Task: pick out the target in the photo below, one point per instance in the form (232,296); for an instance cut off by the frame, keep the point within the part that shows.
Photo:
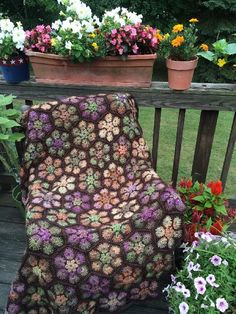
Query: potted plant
(13,62)
(180,50)
(207,281)
(8,154)
(79,49)
(207,208)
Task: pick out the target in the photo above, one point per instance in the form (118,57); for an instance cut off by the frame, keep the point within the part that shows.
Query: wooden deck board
(12,246)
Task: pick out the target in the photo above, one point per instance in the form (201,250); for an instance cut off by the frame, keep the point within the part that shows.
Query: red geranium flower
(186,183)
(216,228)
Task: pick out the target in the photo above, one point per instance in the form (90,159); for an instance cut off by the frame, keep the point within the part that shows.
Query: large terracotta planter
(180,73)
(110,71)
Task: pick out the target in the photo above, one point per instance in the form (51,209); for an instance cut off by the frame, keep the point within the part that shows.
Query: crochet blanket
(101,225)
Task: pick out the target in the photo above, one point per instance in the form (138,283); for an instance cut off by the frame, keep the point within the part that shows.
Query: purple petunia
(183,308)
(222,304)
(200,285)
(211,280)
(216,260)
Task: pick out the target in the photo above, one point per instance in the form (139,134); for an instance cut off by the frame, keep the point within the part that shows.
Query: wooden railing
(208,98)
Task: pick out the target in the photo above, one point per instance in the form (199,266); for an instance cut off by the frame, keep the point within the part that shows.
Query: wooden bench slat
(206,131)
(229,152)
(178,145)
(156,135)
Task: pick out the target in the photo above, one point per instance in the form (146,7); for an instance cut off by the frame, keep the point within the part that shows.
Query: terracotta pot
(110,71)
(180,73)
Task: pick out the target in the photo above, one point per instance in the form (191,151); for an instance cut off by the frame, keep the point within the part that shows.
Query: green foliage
(8,120)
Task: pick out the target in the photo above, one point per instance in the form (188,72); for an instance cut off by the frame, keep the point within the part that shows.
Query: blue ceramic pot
(15,69)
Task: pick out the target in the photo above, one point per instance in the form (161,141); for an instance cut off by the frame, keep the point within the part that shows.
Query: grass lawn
(167,144)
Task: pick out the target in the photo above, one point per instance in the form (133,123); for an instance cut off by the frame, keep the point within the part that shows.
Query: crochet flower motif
(121,149)
(99,154)
(140,149)
(65,116)
(32,154)
(64,184)
(75,161)
(35,296)
(47,199)
(168,232)
(109,127)
(95,286)
(148,217)
(86,307)
(125,210)
(44,237)
(58,143)
(131,127)
(89,180)
(38,125)
(138,248)
(94,218)
(82,237)
(61,217)
(146,289)
(77,202)
(127,276)
(116,232)
(62,297)
(172,200)
(71,266)
(113,176)
(106,199)
(50,169)
(135,168)
(92,108)
(160,262)
(105,258)
(113,301)
(131,189)
(84,134)
(37,269)
(150,192)
(120,102)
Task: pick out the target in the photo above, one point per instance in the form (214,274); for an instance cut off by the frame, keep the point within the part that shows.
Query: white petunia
(6,26)
(68,45)
(18,37)
(56,25)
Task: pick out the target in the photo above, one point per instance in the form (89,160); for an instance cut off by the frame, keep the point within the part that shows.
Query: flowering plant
(207,281)
(12,37)
(180,43)
(222,53)
(39,38)
(206,208)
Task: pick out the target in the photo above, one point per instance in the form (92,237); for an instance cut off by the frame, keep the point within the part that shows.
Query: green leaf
(4,137)
(220,209)
(16,137)
(199,198)
(6,123)
(231,49)
(208,204)
(220,46)
(11,113)
(209,223)
(207,55)
(6,100)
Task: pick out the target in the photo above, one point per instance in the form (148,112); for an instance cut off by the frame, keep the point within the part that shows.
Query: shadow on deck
(12,245)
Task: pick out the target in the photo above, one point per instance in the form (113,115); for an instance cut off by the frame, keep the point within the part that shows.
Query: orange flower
(216,187)
(193,20)
(204,47)
(158,35)
(177,41)
(177,28)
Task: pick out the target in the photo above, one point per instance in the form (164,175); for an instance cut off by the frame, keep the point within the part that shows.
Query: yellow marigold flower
(178,28)
(193,20)
(221,62)
(95,46)
(159,36)
(204,47)
(92,35)
(53,41)
(177,41)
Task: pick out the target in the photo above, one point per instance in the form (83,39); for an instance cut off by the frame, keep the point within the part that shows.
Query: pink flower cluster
(39,38)
(132,40)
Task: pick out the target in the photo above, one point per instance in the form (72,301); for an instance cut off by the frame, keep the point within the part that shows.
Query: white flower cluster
(122,16)
(79,19)
(16,33)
